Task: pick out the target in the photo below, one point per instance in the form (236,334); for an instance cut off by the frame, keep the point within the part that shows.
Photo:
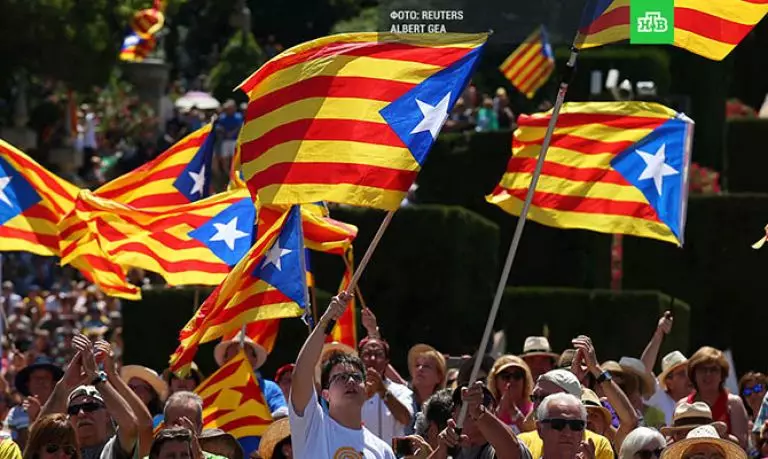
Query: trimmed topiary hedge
(619,323)
(745,154)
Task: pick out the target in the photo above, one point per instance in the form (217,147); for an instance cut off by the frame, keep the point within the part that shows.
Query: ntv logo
(652,22)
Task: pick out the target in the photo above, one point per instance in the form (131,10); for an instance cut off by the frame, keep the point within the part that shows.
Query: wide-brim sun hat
(21,381)
(670,363)
(221,349)
(214,434)
(703,435)
(147,375)
(637,367)
(592,402)
(275,433)
(688,416)
(538,346)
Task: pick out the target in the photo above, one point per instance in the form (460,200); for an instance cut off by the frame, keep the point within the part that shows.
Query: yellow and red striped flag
(32,201)
(322,234)
(234,402)
(350,118)
(345,331)
(263,332)
(136,49)
(193,244)
(710,28)
(531,64)
(268,283)
(613,167)
(180,175)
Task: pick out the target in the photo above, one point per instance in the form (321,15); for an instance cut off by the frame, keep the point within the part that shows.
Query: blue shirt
(272,394)
(230,124)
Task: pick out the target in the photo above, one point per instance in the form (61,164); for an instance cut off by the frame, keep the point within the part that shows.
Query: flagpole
(364,262)
(357,287)
(571,66)
(196,300)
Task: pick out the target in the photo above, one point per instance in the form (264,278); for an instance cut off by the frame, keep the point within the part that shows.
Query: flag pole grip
(519,229)
(364,262)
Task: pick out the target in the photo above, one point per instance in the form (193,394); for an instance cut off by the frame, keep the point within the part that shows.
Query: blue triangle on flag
(16,193)
(229,234)
(194,181)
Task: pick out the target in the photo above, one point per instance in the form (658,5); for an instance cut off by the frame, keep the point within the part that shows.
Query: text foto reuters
(427,15)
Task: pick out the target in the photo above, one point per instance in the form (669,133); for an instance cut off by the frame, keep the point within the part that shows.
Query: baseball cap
(85,391)
(563,379)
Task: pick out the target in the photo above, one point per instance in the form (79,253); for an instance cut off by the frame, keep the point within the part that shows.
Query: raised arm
(371,326)
(304,372)
(651,352)
(493,429)
(74,376)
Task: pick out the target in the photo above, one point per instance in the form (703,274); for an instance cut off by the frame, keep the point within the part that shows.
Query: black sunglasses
(649,453)
(53,448)
(576,425)
(88,407)
(344,377)
(517,375)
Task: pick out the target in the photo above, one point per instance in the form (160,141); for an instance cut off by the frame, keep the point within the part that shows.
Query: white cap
(565,380)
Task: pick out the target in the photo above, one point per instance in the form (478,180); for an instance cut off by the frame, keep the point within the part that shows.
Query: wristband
(604,376)
(101,377)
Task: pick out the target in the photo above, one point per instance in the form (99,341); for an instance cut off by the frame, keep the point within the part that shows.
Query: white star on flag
(228,233)
(434,116)
(199,181)
(275,254)
(655,167)
(4,181)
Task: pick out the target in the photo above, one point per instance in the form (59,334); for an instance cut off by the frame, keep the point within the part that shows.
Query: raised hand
(369,321)
(665,323)
(450,438)
(104,355)
(74,375)
(586,450)
(336,308)
(185,422)
(473,397)
(32,406)
(374,384)
(87,360)
(584,346)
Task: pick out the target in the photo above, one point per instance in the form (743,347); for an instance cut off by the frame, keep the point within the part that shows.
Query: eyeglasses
(373,354)
(53,448)
(756,389)
(649,453)
(344,377)
(88,407)
(576,425)
(517,375)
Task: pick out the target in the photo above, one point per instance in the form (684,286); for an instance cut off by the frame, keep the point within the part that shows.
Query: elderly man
(185,409)
(561,423)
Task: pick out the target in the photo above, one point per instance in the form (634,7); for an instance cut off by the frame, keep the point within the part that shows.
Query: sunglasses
(88,407)
(576,425)
(344,377)
(517,375)
(52,448)
(756,389)
(649,453)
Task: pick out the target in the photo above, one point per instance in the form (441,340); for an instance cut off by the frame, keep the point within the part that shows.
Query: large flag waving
(321,233)
(234,402)
(350,118)
(180,175)
(530,64)
(613,167)
(268,283)
(32,201)
(709,28)
(193,244)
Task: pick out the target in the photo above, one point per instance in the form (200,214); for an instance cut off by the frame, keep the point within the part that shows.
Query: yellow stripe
(346,66)
(703,46)
(638,109)
(539,76)
(732,10)
(611,224)
(596,132)
(138,260)
(8,244)
(568,157)
(264,312)
(565,187)
(199,254)
(607,36)
(532,38)
(535,49)
(36,225)
(335,151)
(314,108)
(354,195)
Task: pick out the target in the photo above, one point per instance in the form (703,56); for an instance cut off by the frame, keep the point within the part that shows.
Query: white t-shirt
(661,400)
(317,435)
(377,417)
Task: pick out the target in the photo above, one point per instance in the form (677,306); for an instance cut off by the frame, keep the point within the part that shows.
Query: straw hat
(275,433)
(328,349)
(208,436)
(221,349)
(691,415)
(590,400)
(147,375)
(637,368)
(538,346)
(419,349)
(703,435)
(670,363)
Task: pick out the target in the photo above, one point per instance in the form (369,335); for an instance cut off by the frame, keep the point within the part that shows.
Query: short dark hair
(169,434)
(339,358)
(438,409)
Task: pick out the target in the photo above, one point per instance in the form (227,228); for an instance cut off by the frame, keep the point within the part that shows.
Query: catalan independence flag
(322,234)
(710,28)
(268,283)
(234,402)
(180,175)
(84,253)
(263,332)
(192,244)
(32,201)
(136,49)
(350,118)
(530,65)
(345,330)
(613,167)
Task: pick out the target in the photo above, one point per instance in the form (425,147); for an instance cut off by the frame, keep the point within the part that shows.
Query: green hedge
(619,323)
(717,272)
(744,154)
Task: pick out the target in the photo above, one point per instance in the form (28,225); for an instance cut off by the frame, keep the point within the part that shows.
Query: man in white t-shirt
(339,432)
(389,408)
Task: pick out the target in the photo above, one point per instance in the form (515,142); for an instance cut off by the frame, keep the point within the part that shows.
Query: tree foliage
(240,58)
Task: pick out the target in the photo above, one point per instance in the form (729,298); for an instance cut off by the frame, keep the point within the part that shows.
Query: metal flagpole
(571,66)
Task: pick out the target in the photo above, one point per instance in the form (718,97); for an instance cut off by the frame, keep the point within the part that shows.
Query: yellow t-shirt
(535,444)
(9,449)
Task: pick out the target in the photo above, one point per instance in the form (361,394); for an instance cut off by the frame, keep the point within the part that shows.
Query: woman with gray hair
(643,443)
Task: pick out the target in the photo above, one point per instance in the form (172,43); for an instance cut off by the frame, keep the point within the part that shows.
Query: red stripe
(521,50)
(42,212)
(580,119)
(710,26)
(174,267)
(321,129)
(251,421)
(524,68)
(229,369)
(71,229)
(141,181)
(442,57)
(254,302)
(616,17)
(576,174)
(559,202)
(51,242)
(578,144)
(51,180)
(176,198)
(333,173)
(526,80)
(328,86)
